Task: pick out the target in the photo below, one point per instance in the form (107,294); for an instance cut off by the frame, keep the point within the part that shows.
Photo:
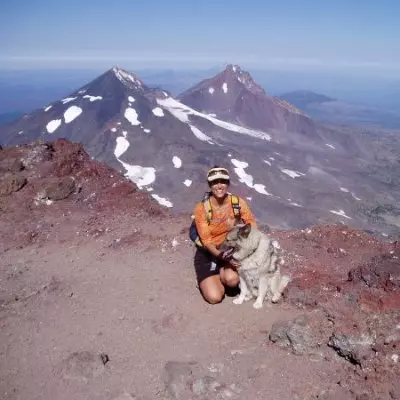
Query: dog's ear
(245,230)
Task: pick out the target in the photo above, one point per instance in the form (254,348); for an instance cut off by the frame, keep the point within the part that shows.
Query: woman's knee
(214,297)
(230,277)
(212,290)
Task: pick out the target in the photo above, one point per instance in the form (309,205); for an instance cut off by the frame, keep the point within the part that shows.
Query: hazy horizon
(310,36)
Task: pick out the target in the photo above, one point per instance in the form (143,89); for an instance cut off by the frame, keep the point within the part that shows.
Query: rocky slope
(98,299)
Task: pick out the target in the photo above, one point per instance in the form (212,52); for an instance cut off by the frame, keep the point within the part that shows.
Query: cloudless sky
(353,35)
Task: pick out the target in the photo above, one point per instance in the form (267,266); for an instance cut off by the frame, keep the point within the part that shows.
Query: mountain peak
(235,72)
(127,78)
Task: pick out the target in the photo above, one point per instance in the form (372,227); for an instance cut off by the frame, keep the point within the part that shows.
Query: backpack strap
(207,206)
(234,203)
(235,207)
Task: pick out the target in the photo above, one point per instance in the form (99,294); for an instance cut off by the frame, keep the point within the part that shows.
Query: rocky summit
(234,95)
(98,299)
(293,171)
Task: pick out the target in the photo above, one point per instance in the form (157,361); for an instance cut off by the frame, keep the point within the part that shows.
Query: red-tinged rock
(11,183)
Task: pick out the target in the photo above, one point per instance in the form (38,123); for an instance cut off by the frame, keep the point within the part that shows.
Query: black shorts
(206,264)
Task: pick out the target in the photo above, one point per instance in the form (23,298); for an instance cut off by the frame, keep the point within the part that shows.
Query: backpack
(193,234)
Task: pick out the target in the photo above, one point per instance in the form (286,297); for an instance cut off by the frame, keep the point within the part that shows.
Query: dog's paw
(276,297)
(238,300)
(257,305)
(248,297)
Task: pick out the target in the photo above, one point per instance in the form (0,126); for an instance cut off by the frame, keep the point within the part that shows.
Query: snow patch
(331,146)
(177,162)
(47,108)
(131,116)
(122,145)
(292,174)
(249,198)
(113,129)
(211,90)
(200,135)
(53,125)
(126,77)
(229,155)
(68,99)
(182,112)
(131,99)
(146,130)
(355,197)
(225,87)
(344,190)
(247,178)
(142,176)
(72,113)
(82,91)
(340,212)
(162,200)
(292,203)
(92,98)
(20,132)
(187,182)
(267,162)
(158,112)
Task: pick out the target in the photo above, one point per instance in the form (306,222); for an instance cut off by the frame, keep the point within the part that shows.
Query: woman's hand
(234,263)
(227,254)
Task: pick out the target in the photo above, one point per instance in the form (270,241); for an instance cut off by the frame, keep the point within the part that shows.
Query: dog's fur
(259,269)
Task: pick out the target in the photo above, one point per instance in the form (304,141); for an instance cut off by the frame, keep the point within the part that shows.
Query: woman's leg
(208,277)
(229,276)
(212,289)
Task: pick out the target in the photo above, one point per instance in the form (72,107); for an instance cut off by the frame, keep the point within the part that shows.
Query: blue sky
(354,35)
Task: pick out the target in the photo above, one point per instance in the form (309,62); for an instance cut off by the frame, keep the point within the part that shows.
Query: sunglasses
(222,181)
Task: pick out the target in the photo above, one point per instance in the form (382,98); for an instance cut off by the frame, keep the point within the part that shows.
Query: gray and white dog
(259,269)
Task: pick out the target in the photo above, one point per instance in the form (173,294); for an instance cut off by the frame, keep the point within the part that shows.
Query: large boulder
(58,189)
(11,183)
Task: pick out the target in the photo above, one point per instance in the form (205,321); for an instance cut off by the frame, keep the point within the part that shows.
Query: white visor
(217,173)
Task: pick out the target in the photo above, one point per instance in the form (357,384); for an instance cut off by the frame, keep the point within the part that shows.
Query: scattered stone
(337,393)
(59,189)
(11,183)
(352,349)
(298,334)
(11,165)
(104,357)
(179,378)
(82,366)
(188,380)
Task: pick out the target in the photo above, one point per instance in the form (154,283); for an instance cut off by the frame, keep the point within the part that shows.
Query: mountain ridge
(295,174)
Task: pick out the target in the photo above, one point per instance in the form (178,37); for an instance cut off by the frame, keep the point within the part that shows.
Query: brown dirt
(98,300)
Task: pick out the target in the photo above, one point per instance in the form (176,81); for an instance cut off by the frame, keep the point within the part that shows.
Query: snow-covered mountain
(234,95)
(291,170)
